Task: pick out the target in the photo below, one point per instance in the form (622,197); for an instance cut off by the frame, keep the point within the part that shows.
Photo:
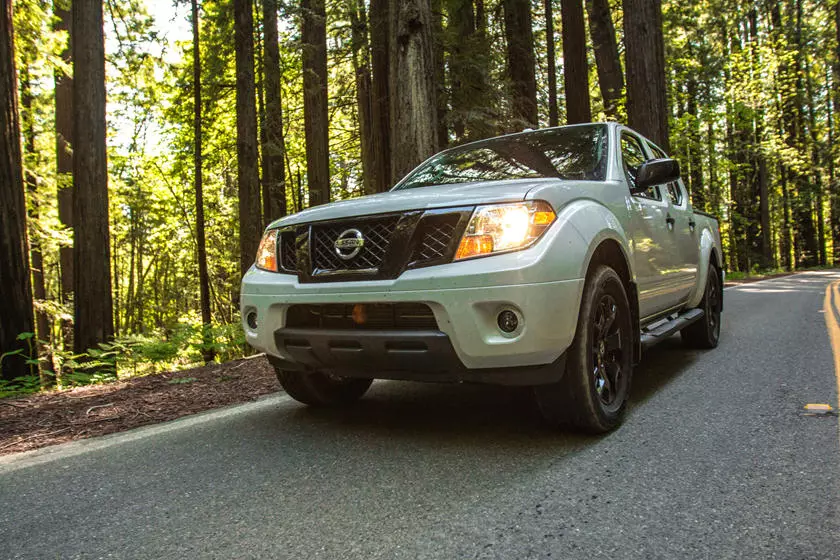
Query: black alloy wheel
(705,333)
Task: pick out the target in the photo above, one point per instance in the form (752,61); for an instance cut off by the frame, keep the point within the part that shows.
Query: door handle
(670,221)
(691,225)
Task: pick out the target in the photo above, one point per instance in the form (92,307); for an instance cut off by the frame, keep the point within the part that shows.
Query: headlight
(504,227)
(267,253)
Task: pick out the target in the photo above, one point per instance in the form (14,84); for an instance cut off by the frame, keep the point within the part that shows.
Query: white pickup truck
(548,258)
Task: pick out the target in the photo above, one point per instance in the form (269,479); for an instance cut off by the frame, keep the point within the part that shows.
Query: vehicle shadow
(419,410)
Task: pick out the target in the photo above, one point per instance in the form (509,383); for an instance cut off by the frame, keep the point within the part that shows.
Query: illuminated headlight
(504,227)
(267,253)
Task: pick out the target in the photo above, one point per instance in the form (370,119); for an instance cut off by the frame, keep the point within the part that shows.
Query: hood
(422,198)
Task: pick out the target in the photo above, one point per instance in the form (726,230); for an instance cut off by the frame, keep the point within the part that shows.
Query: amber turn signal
(473,246)
(267,253)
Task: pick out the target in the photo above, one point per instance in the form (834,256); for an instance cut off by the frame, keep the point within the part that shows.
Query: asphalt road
(715,461)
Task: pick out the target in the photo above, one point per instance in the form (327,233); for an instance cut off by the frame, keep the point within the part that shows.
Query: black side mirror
(656,172)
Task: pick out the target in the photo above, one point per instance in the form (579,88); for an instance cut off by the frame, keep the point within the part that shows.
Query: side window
(633,156)
(675,193)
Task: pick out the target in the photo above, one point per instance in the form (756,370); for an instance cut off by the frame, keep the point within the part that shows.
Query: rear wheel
(705,333)
(592,396)
(322,389)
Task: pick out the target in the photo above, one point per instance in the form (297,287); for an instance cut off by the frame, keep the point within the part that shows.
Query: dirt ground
(60,416)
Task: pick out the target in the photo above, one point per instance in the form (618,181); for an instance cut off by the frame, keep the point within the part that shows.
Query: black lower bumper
(411,356)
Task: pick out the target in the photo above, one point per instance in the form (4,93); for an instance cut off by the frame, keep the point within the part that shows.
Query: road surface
(715,461)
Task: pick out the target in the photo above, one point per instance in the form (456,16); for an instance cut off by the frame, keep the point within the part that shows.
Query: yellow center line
(831,308)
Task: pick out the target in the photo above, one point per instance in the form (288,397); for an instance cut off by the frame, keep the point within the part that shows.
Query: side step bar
(663,329)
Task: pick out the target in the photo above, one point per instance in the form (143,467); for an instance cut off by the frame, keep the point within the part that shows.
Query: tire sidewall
(602,280)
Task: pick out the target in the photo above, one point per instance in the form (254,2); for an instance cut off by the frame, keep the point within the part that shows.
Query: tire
(705,333)
(321,389)
(592,396)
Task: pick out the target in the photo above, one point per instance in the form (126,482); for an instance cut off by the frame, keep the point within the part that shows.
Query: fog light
(508,321)
(251,320)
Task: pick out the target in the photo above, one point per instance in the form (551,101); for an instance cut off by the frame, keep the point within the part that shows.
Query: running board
(663,329)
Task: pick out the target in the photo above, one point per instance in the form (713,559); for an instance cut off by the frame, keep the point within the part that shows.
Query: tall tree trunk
(412,86)
(576,72)
(834,107)
(759,161)
(64,159)
(380,99)
(201,249)
(39,289)
(94,321)
(695,160)
(361,65)
(440,74)
(610,75)
(274,171)
(647,103)
(15,283)
(246,135)
(553,116)
(315,115)
(471,115)
(521,62)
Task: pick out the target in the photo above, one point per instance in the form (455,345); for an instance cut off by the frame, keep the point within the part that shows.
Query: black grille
(434,238)
(377,237)
(375,316)
(288,251)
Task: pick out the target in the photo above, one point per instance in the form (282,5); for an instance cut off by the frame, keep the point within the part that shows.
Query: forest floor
(54,417)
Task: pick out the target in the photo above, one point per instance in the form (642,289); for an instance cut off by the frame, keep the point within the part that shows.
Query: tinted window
(674,190)
(565,153)
(633,156)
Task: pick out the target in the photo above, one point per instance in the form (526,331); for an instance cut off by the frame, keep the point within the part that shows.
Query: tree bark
(610,75)
(553,116)
(92,245)
(201,243)
(364,101)
(380,102)
(316,117)
(440,74)
(521,62)
(412,86)
(576,71)
(647,103)
(15,283)
(273,149)
(250,226)
(64,159)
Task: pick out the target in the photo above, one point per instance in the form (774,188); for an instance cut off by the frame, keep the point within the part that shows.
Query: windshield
(575,152)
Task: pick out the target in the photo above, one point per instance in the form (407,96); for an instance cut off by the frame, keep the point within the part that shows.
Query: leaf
(25,335)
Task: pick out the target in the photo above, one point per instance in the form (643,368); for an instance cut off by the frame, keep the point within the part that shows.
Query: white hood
(422,198)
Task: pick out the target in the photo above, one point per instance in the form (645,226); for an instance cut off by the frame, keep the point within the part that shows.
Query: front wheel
(592,396)
(322,389)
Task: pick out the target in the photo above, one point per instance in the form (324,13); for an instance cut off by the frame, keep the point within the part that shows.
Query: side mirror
(656,172)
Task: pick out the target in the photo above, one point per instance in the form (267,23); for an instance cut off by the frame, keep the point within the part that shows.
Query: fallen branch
(98,406)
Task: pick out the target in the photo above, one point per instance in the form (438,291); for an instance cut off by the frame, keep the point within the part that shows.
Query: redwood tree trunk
(380,83)
(274,171)
(92,246)
(64,159)
(553,117)
(413,96)
(647,104)
(361,65)
(15,284)
(315,115)
(246,135)
(576,75)
(610,75)
(201,243)
(520,62)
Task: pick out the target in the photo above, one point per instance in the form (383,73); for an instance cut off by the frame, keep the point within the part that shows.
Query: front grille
(377,236)
(372,316)
(288,251)
(434,238)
